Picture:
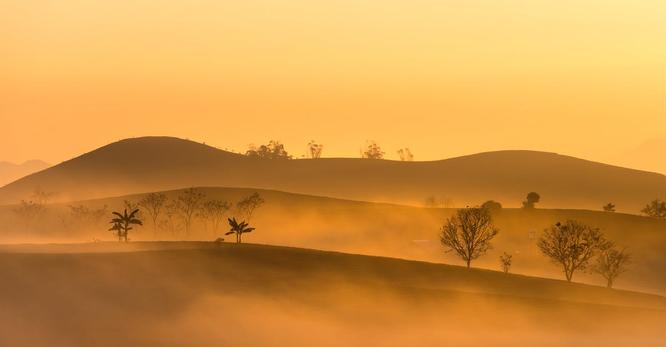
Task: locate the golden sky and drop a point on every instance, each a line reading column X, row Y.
column 444, row 78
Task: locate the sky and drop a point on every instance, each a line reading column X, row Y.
column 444, row 78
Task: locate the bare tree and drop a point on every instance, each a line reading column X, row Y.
column 315, row 149
column 153, row 203
column 506, row 260
column 572, row 245
column 187, row 204
column 531, row 200
column 611, row 262
column 213, row 212
column 372, row 151
column 469, row 233
column 247, row 206
column 655, row 209
column 405, row 154
column 609, row 207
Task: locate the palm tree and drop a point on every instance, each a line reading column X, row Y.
column 238, row 228
column 122, row 224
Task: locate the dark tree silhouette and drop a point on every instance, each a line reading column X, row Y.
column 405, row 154
column 506, row 260
column 609, row 207
column 655, row 209
column 531, row 200
column 468, row 233
column 372, row 151
column 492, row 205
column 572, row 245
column 273, row 150
column 238, row 228
column 123, row 222
column 315, row 149
column 611, row 262
column 187, row 204
column 153, row 203
column 248, row 205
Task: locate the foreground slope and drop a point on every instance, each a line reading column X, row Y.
column 161, row 163
column 248, row 295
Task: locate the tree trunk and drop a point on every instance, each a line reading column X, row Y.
column 609, row 284
column 468, row 263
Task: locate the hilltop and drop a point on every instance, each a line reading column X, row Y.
column 162, row 163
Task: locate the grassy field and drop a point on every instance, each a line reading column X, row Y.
column 209, row 294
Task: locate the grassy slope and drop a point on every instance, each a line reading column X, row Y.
column 209, row 294
column 160, row 163
column 395, row 231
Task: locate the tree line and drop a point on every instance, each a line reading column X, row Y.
column 275, row 150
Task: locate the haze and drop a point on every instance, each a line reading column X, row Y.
column 428, row 75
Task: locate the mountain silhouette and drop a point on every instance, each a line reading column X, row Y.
column 160, row 163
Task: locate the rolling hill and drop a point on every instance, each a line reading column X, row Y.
column 361, row 227
column 162, row 163
column 209, row 294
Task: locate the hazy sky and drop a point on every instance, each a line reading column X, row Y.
column 586, row 78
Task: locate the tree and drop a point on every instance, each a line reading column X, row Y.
column 153, row 203
column 655, row 209
column 611, row 262
column 30, row 210
column 247, row 206
column 238, row 228
column 572, row 245
column 531, row 200
column 83, row 216
column 492, row 205
column 405, row 154
column 506, row 260
column 372, row 151
column 123, row 222
column 469, row 233
column 187, row 204
column 273, row 150
column 431, row 202
column 315, row 149
column 609, row 207
column 213, row 211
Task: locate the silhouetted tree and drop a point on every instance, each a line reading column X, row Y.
column 123, row 222
column 213, row 212
column 273, row 150
column 29, row 211
column 492, row 205
column 532, row 199
column 238, row 228
column 315, row 149
column 609, row 207
column 469, row 233
column 187, row 204
column 248, row 205
column 572, row 245
column 83, row 216
column 372, row 151
column 655, row 209
column 405, row 154
column 611, row 262
column 153, row 203
column 506, row 260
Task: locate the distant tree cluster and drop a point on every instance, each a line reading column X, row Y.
column 372, row 151
column 315, row 149
column 273, row 150
column 655, row 209
column 405, row 154
column 191, row 205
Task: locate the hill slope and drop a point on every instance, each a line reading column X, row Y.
column 10, row 172
column 161, row 163
column 249, row 295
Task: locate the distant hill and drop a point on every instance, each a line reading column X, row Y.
column 161, row 163
column 10, row 172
